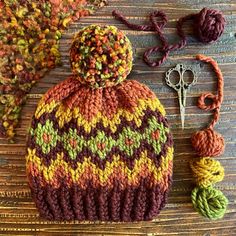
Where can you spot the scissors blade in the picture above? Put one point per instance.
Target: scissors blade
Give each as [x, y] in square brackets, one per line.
[181, 106]
[182, 115]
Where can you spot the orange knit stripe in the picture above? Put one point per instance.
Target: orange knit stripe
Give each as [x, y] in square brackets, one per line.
[62, 90]
[88, 177]
[90, 101]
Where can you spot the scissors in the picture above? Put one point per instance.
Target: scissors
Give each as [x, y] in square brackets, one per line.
[181, 87]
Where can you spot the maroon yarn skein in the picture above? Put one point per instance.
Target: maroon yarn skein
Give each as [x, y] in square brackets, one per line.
[208, 25]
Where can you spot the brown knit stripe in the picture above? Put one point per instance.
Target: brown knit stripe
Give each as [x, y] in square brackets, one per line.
[115, 203]
[53, 201]
[77, 202]
[39, 195]
[123, 205]
[103, 200]
[66, 202]
[127, 203]
[140, 202]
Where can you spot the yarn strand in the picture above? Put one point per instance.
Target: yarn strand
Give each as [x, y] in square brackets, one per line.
[208, 142]
[209, 25]
[154, 26]
[217, 99]
[165, 48]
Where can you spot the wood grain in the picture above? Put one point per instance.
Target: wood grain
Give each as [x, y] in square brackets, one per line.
[18, 215]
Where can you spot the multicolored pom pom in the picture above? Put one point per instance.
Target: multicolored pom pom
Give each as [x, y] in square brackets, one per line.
[101, 56]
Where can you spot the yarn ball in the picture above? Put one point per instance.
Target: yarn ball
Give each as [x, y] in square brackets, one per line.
[209, 202]
[101, 56]
[207, 171]
[209, 25]
[208, 142]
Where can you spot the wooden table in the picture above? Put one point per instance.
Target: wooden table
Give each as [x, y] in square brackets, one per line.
[18, 215]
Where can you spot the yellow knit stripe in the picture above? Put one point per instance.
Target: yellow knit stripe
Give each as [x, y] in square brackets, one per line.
[65, 114]
[143, 163]
[43, 107]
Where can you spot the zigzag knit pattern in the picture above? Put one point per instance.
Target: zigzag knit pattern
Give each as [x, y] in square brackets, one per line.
[99, 154]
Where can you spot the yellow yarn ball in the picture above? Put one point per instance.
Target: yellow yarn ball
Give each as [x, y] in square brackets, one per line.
[207, 171]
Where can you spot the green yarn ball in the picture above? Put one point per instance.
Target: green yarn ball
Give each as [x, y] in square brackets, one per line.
[209, 202]
[101, 56]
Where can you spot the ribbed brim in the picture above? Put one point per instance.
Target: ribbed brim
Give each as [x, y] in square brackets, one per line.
[103, 204]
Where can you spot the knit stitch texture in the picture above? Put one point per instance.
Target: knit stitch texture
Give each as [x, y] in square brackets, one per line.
[99, 146]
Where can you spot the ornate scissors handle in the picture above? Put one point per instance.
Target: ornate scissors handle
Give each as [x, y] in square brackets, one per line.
[181, 86]
[181, 69]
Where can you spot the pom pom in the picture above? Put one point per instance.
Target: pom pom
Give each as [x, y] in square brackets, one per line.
[209, 25]
[207, 171]
[207, 142]
[209, 202]
[101, 56]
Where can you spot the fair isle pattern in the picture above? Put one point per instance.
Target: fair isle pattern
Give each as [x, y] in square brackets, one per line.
[127, 141]
[113, 171]
[99, 154]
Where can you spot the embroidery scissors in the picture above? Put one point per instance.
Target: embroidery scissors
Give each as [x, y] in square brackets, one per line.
[182, 86]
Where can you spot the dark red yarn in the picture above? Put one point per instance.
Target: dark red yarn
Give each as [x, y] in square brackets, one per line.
[74, 203]
[208, 25]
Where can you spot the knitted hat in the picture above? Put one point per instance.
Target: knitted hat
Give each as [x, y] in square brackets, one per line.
[99, 146]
